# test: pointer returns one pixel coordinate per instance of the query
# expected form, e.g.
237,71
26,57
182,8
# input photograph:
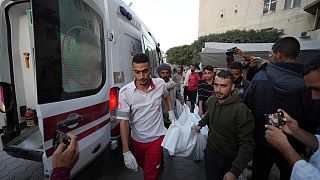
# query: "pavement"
12,168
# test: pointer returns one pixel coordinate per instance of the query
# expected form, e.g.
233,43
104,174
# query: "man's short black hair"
208,67
224,74
313,64
140,58
288,46
236,65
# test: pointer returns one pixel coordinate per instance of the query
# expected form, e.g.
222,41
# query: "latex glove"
172,117
171,84
130,161
195,128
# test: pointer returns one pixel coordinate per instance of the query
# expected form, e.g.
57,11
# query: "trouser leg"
153,158
262,163
216,166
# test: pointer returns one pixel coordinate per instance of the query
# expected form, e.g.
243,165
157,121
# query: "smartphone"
275,119
60,137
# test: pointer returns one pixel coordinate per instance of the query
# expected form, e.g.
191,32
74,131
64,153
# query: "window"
269,6
151,52
69,50
291,4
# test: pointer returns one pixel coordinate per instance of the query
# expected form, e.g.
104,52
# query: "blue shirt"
311,171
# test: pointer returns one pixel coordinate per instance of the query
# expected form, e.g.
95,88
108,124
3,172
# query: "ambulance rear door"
72,87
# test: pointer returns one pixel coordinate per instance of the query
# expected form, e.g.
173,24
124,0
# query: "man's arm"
291,127
167,100
124,133
245,128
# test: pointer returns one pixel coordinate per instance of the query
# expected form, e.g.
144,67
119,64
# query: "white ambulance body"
62,63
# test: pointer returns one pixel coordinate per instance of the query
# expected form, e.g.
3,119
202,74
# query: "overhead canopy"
215,53
312,7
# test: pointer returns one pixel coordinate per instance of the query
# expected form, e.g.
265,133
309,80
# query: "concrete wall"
250,15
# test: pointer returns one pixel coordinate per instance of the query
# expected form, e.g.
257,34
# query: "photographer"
64,159
301,169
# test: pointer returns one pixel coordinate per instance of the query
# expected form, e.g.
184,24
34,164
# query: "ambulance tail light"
113,102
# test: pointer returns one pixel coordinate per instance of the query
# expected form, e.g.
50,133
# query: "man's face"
222,88
236,73
271,55
142,73
313,82
165,75
192,68
208,74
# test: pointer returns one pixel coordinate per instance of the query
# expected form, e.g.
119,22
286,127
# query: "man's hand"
195,128
291,125
130,161
229,176
276,137
172,117
66,157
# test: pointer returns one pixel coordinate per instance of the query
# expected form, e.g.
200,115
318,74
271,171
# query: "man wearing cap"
164,72
140,107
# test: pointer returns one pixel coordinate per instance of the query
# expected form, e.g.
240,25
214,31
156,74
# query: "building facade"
298,18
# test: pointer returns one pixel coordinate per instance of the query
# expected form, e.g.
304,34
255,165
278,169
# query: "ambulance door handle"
71,121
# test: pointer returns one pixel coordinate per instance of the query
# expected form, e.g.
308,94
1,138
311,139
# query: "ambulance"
62,63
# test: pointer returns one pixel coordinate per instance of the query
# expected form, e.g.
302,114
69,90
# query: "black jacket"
278,85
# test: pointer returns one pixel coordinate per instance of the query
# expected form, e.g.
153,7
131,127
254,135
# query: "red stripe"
82,135
90,114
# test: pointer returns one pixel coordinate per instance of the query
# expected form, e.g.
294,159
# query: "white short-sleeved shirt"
143,110
303,170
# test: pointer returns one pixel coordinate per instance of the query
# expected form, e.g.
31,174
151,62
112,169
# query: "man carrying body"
205,88
301,169
164,72
230,143
140,106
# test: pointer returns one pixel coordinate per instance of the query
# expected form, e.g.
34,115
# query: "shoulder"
158,81
261,75
127,87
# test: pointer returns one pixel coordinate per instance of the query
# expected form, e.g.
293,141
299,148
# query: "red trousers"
149,157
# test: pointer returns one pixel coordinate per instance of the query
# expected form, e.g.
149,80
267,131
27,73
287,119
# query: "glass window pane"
80,33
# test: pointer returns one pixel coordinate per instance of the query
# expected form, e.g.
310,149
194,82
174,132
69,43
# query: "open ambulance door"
72,88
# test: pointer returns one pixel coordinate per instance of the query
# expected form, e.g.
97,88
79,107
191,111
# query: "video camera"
231,51
230,58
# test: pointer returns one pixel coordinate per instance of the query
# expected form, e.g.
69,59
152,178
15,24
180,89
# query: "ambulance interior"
28,141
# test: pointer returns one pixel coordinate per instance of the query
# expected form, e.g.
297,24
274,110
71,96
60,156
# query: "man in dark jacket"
279,85
230,143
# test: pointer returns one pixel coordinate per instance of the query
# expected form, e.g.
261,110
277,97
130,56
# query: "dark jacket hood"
286,78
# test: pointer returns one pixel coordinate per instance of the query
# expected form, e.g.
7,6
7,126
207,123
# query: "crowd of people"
234,103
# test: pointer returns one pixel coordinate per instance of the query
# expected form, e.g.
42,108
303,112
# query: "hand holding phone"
60,137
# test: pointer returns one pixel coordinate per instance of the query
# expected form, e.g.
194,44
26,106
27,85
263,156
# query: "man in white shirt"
140,107
185,82
275,136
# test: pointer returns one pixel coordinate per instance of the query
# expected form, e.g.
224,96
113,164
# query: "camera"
231,51
275,119
60,137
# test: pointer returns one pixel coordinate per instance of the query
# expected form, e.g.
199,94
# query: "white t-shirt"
143,110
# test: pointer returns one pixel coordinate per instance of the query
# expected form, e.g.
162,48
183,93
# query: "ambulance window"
80,33
69,50
150,51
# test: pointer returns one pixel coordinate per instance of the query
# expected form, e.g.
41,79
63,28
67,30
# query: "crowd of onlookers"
264,111
280,85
